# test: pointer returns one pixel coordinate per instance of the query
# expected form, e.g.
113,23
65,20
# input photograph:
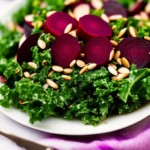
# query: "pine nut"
57,68
73,33
11,26
125,62
41,44
29,18
112,70
137,17
114,66
50,13
144,16
147,38
83,70
72,63
117,55
39,23
115,17
113,42
45,86
92,66
147,8
26,74
114,27
34,74
66,77
69,2
112,53
82,55
114,78
71,13
80,63
123,70
32,64
48,39
68,70
44,62
52,84
105,18
68,28
97,4
122,32
132,31
122,76
119,61
50,73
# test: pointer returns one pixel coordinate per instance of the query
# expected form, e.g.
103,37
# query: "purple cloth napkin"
135,137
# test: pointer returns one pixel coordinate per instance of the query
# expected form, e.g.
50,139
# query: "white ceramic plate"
74,127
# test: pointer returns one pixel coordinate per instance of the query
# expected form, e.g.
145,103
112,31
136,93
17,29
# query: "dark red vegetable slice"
114,8
135,50
92,26
27,29
24,53
97,50
57,22
65,49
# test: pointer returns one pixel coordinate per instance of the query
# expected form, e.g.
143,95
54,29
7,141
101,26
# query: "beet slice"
97,50
135,50
24,53
57,22
92,26
27,30
114,8
65,49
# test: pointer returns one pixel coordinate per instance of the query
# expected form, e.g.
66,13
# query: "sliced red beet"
27,29
24,53
57,22
28,19
92,26
135,50
65,49
97,50
114,8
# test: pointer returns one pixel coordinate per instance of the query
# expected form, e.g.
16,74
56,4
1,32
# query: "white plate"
74,127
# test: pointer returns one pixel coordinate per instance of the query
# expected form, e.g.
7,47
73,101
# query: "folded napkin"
135,137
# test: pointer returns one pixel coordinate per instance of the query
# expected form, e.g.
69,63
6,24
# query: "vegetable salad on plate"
76,59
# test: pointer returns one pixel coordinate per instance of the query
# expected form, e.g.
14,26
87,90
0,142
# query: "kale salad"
76,59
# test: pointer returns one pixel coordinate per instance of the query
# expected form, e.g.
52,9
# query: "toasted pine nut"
68,70
73,33
114,66
57,68
29,18
45,86
72,63
144,15
32,64
117,55
83,70
66,77
147,38
97,4
122,32
50,73
132,31
112,70
26,74
48,39
41,44
68,28
11,26
52,84
34,74
114,27
80,63
112,53
114,78
69,2
122,76
50,13
82,55
105,18
115,17
125,62
123,70
92,66
147,8
44,62
113,42
70,13
119,61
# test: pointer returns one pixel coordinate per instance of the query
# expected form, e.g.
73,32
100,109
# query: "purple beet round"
57,22
114,8
97,50
92,26
27,30
24,53
65,49
135,50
